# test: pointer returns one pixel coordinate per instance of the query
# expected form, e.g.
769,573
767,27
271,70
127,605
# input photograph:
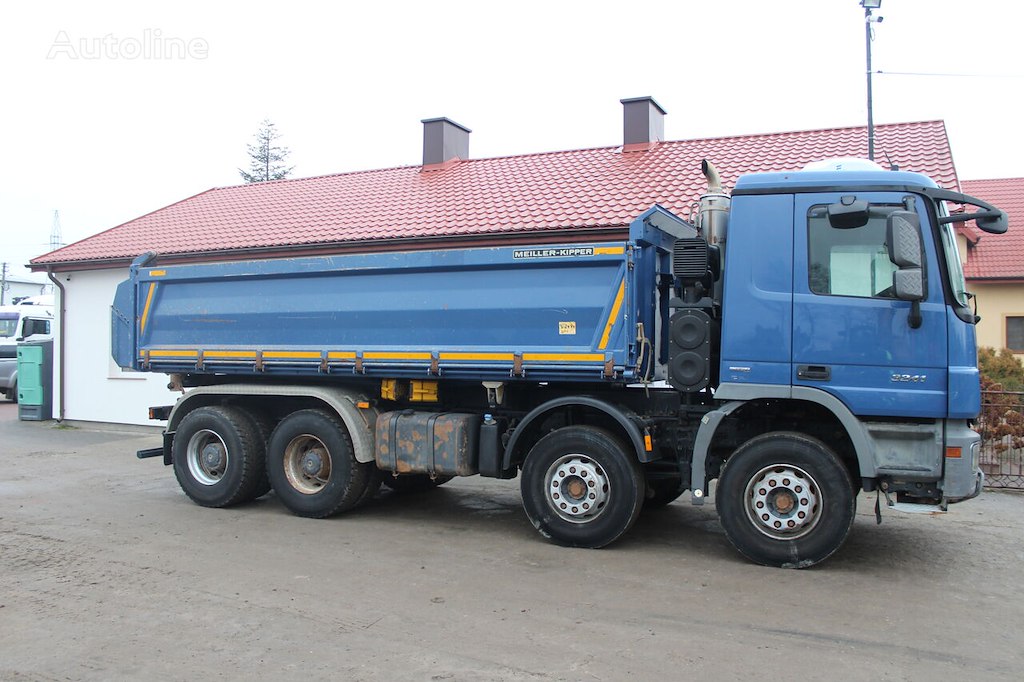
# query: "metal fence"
1001,425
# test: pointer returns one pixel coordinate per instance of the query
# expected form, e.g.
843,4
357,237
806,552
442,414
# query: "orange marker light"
954,453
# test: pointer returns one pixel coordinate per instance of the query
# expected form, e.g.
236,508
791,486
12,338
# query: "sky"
111,110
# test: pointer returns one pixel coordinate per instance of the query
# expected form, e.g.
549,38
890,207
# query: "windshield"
952,252
8,325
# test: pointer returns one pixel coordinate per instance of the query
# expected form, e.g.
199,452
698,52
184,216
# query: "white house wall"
96,389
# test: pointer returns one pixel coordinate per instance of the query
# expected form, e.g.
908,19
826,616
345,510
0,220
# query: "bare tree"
266,159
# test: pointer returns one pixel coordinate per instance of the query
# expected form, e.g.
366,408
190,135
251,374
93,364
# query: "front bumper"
962,478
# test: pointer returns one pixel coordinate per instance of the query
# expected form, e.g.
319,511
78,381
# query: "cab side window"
850,261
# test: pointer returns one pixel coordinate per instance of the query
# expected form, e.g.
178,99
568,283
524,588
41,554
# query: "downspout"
60,342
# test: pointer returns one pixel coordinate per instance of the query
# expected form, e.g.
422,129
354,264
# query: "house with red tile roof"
449,199
994,268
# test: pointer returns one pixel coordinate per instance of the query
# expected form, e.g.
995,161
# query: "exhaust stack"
713,217
713,213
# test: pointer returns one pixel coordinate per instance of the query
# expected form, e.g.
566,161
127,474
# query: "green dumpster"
35,380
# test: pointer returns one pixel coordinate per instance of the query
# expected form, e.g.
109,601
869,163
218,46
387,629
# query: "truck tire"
413,483
312,465
785,500
218,456
581,488
264,426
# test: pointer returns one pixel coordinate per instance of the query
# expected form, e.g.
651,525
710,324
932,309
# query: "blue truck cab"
807,337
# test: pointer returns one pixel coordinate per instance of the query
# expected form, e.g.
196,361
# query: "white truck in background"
30,319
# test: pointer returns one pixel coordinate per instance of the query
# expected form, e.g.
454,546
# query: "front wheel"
785,500
581,488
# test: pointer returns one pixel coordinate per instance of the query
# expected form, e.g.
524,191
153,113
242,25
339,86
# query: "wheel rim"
783,502
576,488
307,464
207,457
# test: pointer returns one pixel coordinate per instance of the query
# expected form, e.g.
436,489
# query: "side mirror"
995,224
903,240
848,214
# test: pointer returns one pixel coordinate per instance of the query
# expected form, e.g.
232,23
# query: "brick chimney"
444,140
643,123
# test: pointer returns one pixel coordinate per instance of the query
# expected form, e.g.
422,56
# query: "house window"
1015,334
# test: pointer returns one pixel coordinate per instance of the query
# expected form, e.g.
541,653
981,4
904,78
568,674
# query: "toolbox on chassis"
807,337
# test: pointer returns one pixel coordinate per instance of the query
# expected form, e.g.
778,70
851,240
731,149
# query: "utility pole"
869,5
3,284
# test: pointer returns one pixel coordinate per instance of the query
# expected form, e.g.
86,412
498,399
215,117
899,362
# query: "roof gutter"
592,234
60,342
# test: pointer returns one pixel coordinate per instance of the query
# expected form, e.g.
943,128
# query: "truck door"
851,336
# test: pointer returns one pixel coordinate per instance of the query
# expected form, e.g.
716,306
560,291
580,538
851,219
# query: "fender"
622,417
739,395
359,421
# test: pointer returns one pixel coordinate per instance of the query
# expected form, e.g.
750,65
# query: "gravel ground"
108,572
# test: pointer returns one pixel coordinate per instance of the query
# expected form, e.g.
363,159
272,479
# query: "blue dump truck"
806,337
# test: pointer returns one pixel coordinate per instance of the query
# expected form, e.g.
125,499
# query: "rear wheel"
581,488
785,500
218,456
264,427
312,465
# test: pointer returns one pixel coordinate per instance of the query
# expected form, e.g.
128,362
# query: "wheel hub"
577,488
213,456
783,502
312,463
307,464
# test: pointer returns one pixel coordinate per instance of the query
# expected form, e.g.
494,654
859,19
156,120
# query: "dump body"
550,312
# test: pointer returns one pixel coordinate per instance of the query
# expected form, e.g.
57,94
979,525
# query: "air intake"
690,259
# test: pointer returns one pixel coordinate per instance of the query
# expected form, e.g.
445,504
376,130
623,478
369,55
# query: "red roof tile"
531,193
998,256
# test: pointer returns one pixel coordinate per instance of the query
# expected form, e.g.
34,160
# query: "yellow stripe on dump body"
292,354
145,309
613,316
374,355
501,357
610,250
397,356
174,354
244,354
563,357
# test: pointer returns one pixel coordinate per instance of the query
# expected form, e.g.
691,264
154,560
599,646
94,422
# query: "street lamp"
869,5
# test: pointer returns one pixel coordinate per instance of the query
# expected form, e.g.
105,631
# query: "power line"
951,75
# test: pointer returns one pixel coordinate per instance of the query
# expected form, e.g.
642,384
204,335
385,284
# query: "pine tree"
266,160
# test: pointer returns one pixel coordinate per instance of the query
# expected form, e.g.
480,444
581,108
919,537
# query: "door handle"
814,373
